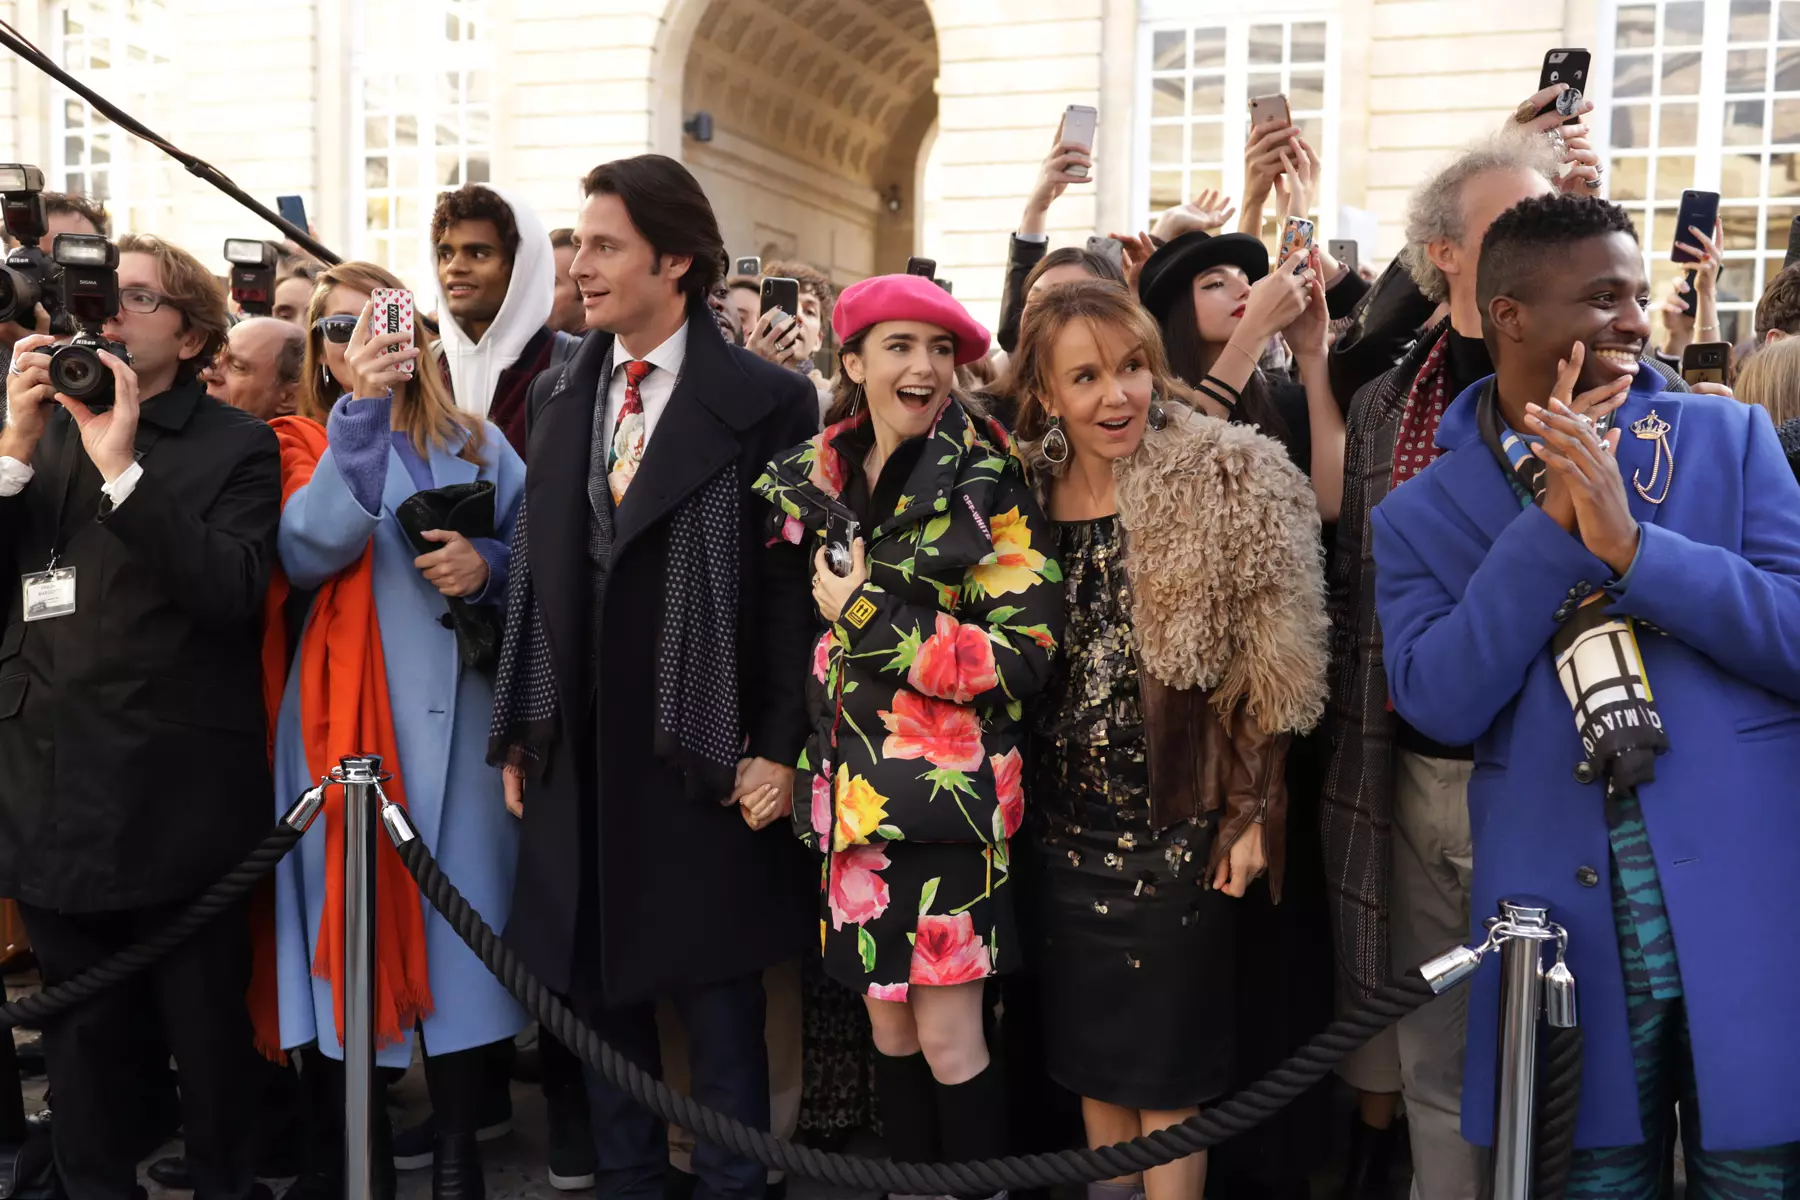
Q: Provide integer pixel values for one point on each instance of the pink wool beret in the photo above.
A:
(908, 298)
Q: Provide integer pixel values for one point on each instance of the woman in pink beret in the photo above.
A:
(937, 585)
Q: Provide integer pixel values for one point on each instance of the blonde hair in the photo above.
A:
(1771, 378)
(428, 412)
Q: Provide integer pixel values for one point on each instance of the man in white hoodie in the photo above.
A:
(496, 272)
(496, 287)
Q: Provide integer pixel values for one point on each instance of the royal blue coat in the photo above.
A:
(1467, 588)
(441, 717)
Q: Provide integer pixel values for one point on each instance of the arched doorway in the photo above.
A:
(819, 111)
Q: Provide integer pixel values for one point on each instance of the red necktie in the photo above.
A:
(627, 449)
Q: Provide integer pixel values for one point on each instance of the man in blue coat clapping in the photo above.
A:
(1610, 612)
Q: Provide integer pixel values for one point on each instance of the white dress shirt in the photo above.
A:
(656, 387)
(14, 475)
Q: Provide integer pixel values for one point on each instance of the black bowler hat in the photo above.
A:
(1176, 263)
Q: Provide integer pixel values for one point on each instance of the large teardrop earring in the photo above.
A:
(1056, 443)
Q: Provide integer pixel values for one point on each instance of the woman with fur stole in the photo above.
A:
(1195, 647)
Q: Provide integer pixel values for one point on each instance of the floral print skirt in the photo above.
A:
(926, 913)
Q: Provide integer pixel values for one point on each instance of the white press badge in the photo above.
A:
(50, 594)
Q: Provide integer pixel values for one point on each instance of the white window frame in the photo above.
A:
(429, 59)
(1158, 16)
(137, 185)
(1710, 153)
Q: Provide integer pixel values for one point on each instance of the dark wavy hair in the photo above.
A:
(474, 202)
(669, 207)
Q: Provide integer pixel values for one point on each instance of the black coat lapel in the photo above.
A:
(556, 492)
(697, 435)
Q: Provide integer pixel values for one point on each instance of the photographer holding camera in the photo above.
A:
(140, 525)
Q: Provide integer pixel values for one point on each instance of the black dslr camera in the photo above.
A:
(27, 277)
(88, 282)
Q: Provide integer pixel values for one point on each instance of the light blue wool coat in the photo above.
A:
(441, 716)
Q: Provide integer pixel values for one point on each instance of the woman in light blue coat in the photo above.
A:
(391, 437)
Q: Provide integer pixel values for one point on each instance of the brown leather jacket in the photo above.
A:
(1228, 606)
(1203, 762)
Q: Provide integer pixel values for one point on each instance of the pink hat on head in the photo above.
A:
(908, 298)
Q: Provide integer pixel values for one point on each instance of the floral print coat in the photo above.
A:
(917, 691)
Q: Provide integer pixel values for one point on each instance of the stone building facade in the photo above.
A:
(854, 133)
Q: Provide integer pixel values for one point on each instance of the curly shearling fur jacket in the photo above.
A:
(1228, 604)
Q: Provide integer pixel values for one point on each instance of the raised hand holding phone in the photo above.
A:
(377, 363)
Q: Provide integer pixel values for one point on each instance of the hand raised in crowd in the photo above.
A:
(455, 570)
(1276, 301)
(1262, 166)
(109, 436)
(831, 590)
(1137, 252)
(1209, 211)
(1529, 117)
(1678, 318)
(1298, 184)
(1309, 334)
(372, 364)
(1580, 163)
(1053, 180)
(776, 338)
(1709, 261)
(1247, 859)
(29, 395)
(764, 793)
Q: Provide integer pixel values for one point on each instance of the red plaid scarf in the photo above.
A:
(1415, 441)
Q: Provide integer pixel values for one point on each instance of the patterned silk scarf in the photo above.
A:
(1597, 655)
(1415, 440)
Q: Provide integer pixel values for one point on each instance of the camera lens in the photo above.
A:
(77, 371)
(18, 295)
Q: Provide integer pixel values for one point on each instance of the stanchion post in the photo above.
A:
(361, 778)
(1523, 932)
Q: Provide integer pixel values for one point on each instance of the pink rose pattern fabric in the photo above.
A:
(912, 775)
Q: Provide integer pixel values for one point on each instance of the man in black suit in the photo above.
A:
(136, 544)
(651, 734)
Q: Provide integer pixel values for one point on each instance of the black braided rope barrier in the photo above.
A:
(1245, 1110)
(229, 890)
(1557, 1102)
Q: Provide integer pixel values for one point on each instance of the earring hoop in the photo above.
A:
(1056, 443)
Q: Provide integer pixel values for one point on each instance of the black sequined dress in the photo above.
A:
(1137, 955)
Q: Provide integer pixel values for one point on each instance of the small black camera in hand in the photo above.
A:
(88, 281)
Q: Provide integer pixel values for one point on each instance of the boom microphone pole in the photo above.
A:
(15, 41)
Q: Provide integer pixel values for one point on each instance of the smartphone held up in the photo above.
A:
(1565, 65)
(1079, 124)
(393, 313)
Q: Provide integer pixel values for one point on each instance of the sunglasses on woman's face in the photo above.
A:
(336, 329)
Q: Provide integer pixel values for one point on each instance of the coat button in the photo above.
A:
(446, 620)
(1562, 612)
(1587, 876)
(1584, 771)
(1584, 588)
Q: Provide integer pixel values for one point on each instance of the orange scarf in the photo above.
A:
(344, 710)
